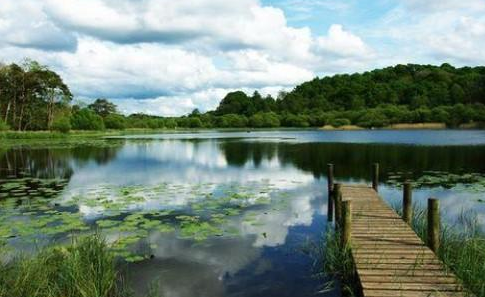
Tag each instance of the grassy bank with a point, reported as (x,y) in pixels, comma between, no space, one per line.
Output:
(86,268)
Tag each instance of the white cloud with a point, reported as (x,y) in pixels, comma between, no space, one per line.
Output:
(24,24)
(342,43)
(176,55)
(433,32)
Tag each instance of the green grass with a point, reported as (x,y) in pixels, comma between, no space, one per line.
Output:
(462,247)
(334,262)
(86,268)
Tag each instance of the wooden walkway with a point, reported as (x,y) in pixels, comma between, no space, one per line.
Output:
(391,260)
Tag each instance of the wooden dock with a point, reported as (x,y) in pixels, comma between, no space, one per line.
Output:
(390,259)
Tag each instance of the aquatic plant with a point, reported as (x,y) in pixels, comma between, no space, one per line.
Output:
(472,181)
(334,263)
(38,210)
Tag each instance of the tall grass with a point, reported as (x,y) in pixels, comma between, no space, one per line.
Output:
(462,247)
(84,269)
(334,263)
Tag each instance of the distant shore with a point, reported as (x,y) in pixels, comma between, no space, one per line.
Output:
(405,126)
(13,136)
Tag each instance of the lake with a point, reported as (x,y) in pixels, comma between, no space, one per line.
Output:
(221,213)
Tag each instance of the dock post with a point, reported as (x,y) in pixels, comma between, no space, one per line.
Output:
(407,202)
(337,198)
(346,222)
(330,201)
(433,224)
(375,176)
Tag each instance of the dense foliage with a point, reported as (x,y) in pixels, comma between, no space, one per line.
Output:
(33,97)
(400,94)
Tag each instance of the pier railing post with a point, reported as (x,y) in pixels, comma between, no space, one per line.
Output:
(346,222)
(337,198)
(433,224)
(407,202)
(330,201)
(375,176)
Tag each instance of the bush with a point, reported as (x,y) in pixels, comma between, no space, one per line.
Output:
(373,118)
(115,121)
(292,120)
(3,126)
(233,121)
(170,124)
(194,123)
(86,119)
(339,122)
(61,124)
(264,120)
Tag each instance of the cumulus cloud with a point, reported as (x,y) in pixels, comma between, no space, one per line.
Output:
(342,43)
(24,24)
(167,57)
(433,32)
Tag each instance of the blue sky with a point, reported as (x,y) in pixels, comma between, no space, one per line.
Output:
(168,57)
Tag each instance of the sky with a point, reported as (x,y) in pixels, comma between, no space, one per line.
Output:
(168,57)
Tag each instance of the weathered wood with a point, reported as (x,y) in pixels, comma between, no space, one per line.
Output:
(346,222)
(375,176)
(407,203)
(337,198)
(330,203)
(433,224)
(390,259)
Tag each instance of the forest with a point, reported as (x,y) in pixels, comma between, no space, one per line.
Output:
(33,97)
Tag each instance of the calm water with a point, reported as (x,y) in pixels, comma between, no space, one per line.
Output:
(257,199)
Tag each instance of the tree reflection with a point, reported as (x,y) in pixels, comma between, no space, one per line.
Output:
(353,160)
(51,162)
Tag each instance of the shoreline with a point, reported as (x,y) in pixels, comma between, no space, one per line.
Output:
(407,126)
(81,134)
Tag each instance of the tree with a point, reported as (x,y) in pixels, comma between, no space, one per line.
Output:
(61,124)
(234,103)
(233,121)
(195,113)
(264,120)
(115,121)
(103,107)
(86,119)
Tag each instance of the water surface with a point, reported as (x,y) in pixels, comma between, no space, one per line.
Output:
(225,213)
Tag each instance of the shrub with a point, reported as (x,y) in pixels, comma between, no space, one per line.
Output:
(194,122)
(339,122)
(86,119)
(292,120)
(115,121)
(61,124)
(233,121)
(373,118)
(3,126)
(264,120)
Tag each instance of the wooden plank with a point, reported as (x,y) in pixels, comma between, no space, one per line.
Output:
(390,259)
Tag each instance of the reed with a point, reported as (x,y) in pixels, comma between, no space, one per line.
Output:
(462,247)
(86,268)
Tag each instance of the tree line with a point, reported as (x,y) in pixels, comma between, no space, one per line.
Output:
(32,97)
